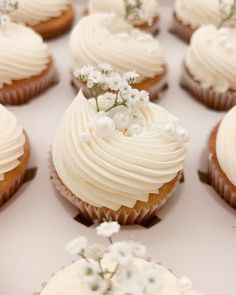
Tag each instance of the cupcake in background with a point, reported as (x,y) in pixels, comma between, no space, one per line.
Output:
(26,67)
(209,68)
(117,156)
(222,159)
(106,38)
(121,267)
(143,14)
(49,18)
(14,154)
(189,15)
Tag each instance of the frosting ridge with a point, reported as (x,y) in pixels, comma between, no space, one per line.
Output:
(211,58)
(33,12)
(12,140)
(226,145)
(106,38)
(119,171)
(23,54)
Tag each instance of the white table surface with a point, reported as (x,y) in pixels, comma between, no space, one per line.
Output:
(197,234)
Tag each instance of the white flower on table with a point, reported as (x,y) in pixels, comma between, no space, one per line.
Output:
(108,229)
(77,246)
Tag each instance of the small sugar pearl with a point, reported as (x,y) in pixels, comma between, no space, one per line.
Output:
(134,129)
(84,136)
(169,129)
(182,135)
(185,284)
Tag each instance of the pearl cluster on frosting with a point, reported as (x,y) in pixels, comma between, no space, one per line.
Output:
(225,41)
(173,129)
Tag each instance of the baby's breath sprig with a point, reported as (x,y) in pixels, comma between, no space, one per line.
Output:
(134,12)
(227,11)
(8,6)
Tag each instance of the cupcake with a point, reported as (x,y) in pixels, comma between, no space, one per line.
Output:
(189,15)
(117,156)
(141,14)
(107,38)
(222,160)
(119,268)
(26,67)
(50,18)
(14,154)
(209,68)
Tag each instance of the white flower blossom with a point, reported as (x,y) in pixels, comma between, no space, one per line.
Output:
(143,98)
(96,252)
(131,77)
(115,82)
(108,229)
(96,77)
(98,286)
(77,246)
(106,100)
(83,72)
(105,68)
(153,278)
(139,250)
(128,273)
(89,271)
(121,253)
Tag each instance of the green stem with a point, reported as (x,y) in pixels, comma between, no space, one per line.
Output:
(228,17)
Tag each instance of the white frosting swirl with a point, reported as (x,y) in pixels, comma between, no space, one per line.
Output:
(12,140)
(121,170)
(199,12)
(211,58)
(23,54)
(67,281)
(226,145)
(105,38)
(151,7)
(33,12)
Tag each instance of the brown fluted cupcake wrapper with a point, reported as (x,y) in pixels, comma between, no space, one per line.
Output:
(23,91)
(212,99)
(4,197)
(219,184)
(139,215)
(182,31)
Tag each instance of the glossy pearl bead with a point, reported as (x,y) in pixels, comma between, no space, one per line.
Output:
(182,135)
(169,129)
(122,120)
(84,136)
(134,129)
(104,126)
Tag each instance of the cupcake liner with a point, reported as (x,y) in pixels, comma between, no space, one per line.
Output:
(19,93)
(218,182)
(182,31)
(139,215)
(212,99)
(153,90)
(12,190)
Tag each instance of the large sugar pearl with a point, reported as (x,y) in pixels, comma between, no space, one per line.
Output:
(185,284)
(134,129)
(104,126)
(169,129)
(122,120)
(182,135)
(84,137)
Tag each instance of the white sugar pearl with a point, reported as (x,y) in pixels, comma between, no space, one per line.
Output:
(134,129)
(104,126)
(122,120)
(84,136)
(169,129)
(182,135)
(185,284)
